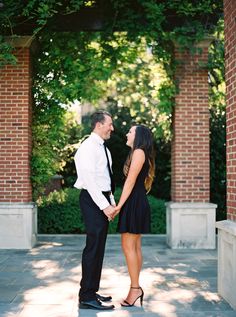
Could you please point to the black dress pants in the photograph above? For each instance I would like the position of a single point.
(96, 226)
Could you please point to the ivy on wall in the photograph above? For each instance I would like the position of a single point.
(130, 41)
(181, 21)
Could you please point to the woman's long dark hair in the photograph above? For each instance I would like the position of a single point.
(143, 140)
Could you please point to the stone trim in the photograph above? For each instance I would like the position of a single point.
(18, 225)
(190, 225)
(20, 41)
(226, 260)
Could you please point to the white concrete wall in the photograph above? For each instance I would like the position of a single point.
(191, 225)
(227, 261)
(18, 225)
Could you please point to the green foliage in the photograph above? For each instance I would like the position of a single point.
(76, 134)
(49, 137)
(115, 67)
(184, 22)
(218, 122)
(6, 55)
(218, 162)
(59, 213)
(72, 66)
(162, 181)
(130, 90)
(158, 215)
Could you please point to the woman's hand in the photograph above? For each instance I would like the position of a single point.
(116, 210)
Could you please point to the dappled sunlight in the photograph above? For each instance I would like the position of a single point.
(109, 271)
(46, 310)
(48, 273)
(176, 294)
(163, 309)
(46, 297)
(113, 278)
(168, 290)
(44, 246)
(53, 293)
(76, 270)
(123, 313)
(181, 265)
(50, 268)
(50, 280)
(163, 271)
(211, 297)
(111, 313)
(151, 279)
(187, 281)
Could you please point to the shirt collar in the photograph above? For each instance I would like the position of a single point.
(96, 137)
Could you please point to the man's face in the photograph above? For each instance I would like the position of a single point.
(105, 128)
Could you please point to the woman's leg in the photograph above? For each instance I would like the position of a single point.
(139, 252)
(131, 248)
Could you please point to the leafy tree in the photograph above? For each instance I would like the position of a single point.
(48, 139)
(218, 121)
(84, 66)
(162, 21)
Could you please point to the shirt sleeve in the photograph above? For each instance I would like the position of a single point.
(85, 161)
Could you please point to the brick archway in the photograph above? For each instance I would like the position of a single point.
(190, 153)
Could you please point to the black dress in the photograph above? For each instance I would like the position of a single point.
(135, 216)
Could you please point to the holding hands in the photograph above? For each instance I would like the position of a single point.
(111, 212)
(116, 211)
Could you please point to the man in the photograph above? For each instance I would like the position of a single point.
(97, 206)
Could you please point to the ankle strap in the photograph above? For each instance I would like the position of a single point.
(135, 287)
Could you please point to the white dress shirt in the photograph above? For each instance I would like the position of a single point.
(92, 169)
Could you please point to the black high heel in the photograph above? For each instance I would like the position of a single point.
(140, 296)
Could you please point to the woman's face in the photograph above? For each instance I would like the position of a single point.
(130, 137)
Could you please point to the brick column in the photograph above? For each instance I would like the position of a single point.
(190, 180)
(16, 208)
(230, 75)
(227, 228)
(190, 216)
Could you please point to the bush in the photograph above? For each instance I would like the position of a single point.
(59, 213)
(158, 215)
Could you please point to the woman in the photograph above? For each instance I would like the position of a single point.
(133, 207)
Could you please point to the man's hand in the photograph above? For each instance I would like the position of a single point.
(109, 212)
(116, 211)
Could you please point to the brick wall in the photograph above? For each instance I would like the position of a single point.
(15, 132)
(190, 147)
(230, 67)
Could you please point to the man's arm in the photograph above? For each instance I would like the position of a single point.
(86, 167)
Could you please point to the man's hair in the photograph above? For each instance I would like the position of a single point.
(98, 116)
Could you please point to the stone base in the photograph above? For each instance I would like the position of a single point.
(227, 260)
(18, 225)
(191, 225)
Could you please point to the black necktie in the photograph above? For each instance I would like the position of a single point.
(110, 172)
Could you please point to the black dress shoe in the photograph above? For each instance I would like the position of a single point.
(104, 298)
(95, 304)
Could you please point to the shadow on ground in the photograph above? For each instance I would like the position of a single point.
(44, 281)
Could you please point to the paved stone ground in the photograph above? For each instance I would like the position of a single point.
(44, 281)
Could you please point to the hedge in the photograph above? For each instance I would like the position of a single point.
(59, 213)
